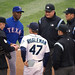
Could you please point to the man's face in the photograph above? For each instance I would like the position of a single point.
(49, 14)
(60, 32)
(2, 25)
(17, 15)
(69, 16)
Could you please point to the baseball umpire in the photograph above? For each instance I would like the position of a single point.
(47, 25)
(5, 48)
(14, 32)
(63, 56)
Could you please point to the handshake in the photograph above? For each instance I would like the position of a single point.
(15, 46)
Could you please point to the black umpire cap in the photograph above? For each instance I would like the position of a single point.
(70, 10)
(49, 7)
(63, 28)
(2, 20)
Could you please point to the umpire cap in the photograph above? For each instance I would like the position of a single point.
(70, 10)
(63, 28)
(33, 26)
(49, 7)
(2, 20)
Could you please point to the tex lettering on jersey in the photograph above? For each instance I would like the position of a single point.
(14, 30)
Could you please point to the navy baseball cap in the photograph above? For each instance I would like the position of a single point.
(17, 9)
(63, 28)
(2, 20)
(49, 7)
(70, 10)
(33, 26)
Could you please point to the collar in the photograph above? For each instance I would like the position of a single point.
(65, 35)
(34, 35)
(14, 19)
(71, 21)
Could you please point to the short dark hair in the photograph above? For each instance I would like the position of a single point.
(35, 31)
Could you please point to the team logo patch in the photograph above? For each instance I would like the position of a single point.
(69, 30)
(52, 24)
(47, 7)
(5, 40)
(68, 39)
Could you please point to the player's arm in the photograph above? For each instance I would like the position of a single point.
(46, 55)
(57, 55)
(9, 42)
(5, 30)
(21, 36)
(46, 58)
(23, 53)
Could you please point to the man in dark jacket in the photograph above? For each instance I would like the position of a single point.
(47, 25)
(70, 18)
(5, 48)
(63, 56)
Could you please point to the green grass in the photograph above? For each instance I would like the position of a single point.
(34, 9)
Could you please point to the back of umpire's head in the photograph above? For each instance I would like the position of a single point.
(63, 28)
(2, 20)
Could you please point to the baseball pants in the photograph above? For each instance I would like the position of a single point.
(37, 69)
(12, 63)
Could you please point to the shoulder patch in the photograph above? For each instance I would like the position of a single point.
(5, 40)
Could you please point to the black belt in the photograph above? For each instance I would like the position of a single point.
(40, 60)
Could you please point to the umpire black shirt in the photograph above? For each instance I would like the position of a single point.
(47, 29)
(71, 26)
(4, 48)
(63, 55)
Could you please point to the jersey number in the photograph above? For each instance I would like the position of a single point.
(33, 49)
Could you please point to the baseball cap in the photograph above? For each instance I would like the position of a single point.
(33, 26)
(17, 9)
(49, 7)
(70, 10)
(63, 28)
(2, 20)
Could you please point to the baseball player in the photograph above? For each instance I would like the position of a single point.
(34, 49)
(14, 32)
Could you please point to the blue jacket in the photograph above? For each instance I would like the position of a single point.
(14, 30)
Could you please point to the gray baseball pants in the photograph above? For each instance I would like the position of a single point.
(12, 63)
